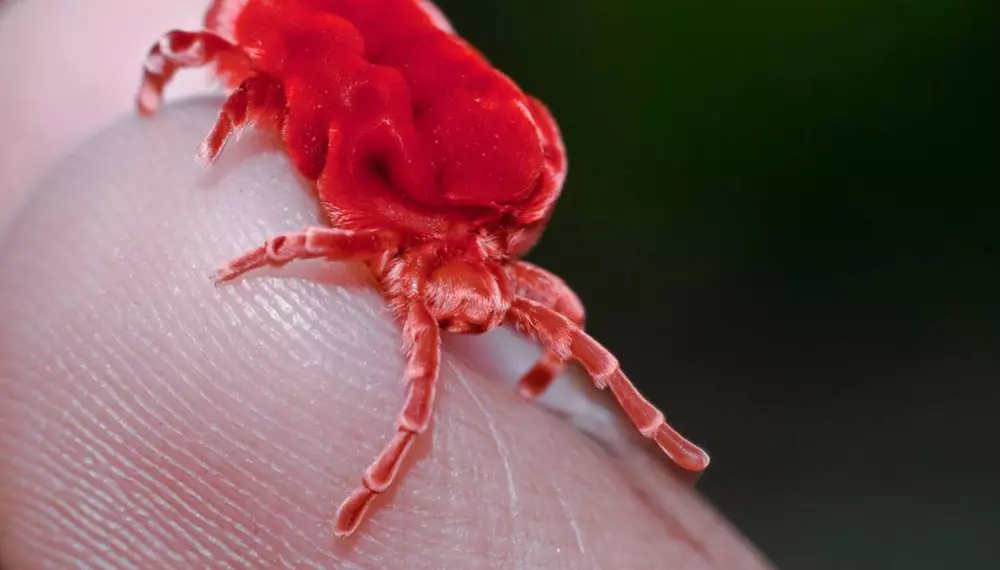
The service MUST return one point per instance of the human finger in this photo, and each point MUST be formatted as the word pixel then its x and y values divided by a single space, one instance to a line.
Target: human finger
pixel 150 419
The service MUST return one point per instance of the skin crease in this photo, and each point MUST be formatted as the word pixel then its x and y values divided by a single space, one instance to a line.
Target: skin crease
pixel 148 419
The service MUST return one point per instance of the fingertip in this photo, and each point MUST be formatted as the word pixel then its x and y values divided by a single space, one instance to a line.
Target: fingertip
pixel 242 415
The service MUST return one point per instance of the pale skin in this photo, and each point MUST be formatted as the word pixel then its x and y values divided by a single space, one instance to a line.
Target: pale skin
pixel 153 418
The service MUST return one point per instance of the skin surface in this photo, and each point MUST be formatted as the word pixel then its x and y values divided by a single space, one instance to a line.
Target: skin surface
pixel 147 417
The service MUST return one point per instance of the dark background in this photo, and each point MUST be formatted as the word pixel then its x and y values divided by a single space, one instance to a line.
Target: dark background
pixel 781 215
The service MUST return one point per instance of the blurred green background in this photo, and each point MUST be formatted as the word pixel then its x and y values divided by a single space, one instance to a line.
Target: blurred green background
pixel 782 217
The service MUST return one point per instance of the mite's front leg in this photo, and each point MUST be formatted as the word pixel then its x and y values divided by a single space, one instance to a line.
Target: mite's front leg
pixel 175 50
pixel 311 243
pixel 422 343
pixel 259 100
pixel 564 338
pixel 533 282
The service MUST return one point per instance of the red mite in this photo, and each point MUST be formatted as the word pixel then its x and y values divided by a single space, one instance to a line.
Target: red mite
pixel 433 168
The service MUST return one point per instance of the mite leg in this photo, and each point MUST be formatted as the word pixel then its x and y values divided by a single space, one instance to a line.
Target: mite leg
pixel 536 381
pixel 259 100
pixel 422 342
pixel 565 339
pixel 175 50
pixel 311 243
pixel 533 282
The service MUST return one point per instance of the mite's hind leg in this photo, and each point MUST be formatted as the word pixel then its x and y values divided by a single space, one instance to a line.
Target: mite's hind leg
pixel 422 341
pixel 563 337
pixel 260 100
pixel 175 50
pixel 533 282
pixel 536 381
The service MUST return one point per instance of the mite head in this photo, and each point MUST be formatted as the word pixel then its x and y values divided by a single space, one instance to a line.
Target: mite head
pixel 467 295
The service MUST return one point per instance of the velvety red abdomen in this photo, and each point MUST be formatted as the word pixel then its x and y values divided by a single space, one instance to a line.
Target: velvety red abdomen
pixel 409 108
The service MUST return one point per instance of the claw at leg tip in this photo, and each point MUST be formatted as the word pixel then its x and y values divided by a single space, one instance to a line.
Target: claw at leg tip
pixel 695 460
pixel 204 156
pixel 148 101
pixel 700 461
pixel 340 532
pixel 685 454
pixel 344 528
pixel 145 110
pixel 223 275
pixel 528 392
pixel 352 511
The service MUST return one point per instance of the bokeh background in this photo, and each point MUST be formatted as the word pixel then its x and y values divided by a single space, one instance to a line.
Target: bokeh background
pixel 782 215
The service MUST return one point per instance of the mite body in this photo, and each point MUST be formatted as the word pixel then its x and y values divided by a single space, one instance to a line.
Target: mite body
pixel 433 168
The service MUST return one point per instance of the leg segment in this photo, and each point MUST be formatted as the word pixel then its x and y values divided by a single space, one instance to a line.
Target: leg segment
pixel 422 342
pixel 175 50
pixel 311 243
pixel 565 339
pixel 536 381
pixel 260 100
pixel 534 283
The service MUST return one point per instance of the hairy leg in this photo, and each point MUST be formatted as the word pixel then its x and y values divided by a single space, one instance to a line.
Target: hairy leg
pixel 533 282
pixel 259 100
pixel 564 338
pixel 422 343
pixel 175 50
pixel 311 243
